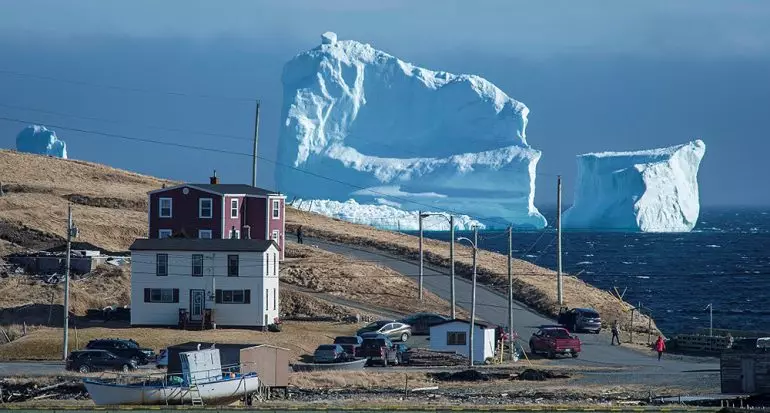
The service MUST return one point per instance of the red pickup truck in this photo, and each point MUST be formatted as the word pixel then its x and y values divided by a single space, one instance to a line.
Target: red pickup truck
pixel 552 340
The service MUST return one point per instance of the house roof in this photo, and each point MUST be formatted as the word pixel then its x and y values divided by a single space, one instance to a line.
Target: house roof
pixel 457 320
pixel 224 189
pixel 198 244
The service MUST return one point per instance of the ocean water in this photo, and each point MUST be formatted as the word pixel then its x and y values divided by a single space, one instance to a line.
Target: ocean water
pixel 725 261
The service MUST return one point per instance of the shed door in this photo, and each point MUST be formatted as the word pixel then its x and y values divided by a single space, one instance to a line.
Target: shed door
pixel 747 375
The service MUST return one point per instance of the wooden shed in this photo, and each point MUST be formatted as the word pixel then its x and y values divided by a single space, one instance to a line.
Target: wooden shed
pixel 745 371
pixel 269 362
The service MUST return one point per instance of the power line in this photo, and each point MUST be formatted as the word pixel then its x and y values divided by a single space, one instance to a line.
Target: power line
pixel 126 88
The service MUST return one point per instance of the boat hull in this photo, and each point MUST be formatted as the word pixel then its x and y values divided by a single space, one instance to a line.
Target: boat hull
pixel 214 393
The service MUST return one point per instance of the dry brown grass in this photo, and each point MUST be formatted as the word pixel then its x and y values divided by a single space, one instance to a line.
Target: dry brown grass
pixel 361 281
pixel 299 337
pixel 533 285
pixel 358 380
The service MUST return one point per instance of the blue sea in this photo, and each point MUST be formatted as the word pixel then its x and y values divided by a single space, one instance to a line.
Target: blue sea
pixel 725 261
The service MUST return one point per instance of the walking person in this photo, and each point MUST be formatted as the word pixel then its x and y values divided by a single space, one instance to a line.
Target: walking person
pixel 660 346
pixel 615 332
pixel 299 234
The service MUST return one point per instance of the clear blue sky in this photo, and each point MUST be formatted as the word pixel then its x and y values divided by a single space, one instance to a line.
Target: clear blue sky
pixel 596 75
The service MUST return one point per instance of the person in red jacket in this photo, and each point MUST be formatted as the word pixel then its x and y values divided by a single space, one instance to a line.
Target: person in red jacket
pixel 660 346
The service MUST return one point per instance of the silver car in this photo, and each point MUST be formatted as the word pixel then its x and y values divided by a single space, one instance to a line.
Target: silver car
pixel 393 330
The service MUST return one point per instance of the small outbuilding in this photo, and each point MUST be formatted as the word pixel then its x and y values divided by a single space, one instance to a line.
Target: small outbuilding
pixel 269 362
pixel 454 335
pixel 745 371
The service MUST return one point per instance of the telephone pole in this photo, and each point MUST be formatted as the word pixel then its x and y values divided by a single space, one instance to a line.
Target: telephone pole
pixel 510 290
pixel 256 143
pixel 452 263
pixel 71 232
pixel 559 292
pixel 421 261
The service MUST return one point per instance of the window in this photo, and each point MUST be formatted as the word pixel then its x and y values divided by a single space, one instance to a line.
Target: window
pixel 164 233
pixel 233 208
pixel 161 295
pixel 275 236
pixel 235 234
pixel 233 296
pixel 267 257
pixel 455 338
pixel 275 298
pixel 164 207
pixel 267 299
pixel 276 209
pixel 232 265
pixel 205 209
pixel 197 265
pixel 275 264
pixel 161 265
pixel 204 233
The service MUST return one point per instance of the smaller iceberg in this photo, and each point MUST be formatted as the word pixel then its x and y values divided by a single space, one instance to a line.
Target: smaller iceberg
pixel 384 216
pixel 649 191
pixel 38 139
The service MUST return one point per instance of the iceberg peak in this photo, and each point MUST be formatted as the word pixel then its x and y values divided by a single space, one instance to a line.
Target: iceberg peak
pixel 362 116
pixel 38 139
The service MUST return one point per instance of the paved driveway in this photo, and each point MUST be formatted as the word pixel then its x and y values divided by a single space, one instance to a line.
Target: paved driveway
pixel 493 307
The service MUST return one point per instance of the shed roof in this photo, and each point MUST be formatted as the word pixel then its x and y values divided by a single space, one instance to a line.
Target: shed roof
pixel 457 320
pixel 200 244
pixel 193 345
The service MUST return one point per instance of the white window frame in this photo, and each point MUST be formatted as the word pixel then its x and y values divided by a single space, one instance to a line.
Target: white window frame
pixel 234 210
pixel 165 231
pixel 275 209
pixel 197 265
pixel 234 233
pixel 200 207
pixel 276 236
pixel 205 231
pixel 170 207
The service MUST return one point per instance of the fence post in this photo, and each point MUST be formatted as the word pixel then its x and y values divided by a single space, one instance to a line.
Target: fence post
pixel 631 328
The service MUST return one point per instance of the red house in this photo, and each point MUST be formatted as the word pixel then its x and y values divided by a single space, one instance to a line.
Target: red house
pixel 217 210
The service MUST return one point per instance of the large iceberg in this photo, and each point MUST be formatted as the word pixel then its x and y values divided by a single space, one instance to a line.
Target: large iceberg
pixel 377 127
pixel 38 139
pixel 650 191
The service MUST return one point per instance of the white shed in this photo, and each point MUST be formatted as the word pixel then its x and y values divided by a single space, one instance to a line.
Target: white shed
pixel 453 335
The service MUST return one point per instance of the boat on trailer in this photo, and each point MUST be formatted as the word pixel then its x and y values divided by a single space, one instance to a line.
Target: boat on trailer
pixel 203 382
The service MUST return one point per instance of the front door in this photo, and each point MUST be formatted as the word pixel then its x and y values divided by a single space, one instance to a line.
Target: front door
pixel 747 373
pixel 197 304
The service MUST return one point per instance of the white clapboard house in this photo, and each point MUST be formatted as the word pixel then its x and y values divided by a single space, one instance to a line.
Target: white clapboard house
pixel 454 335
pixel 236 279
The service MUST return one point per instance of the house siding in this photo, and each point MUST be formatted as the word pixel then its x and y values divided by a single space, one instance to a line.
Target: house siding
pixel 277 224
pixel 184 216
pixel 255 216
pixel 484 340
pixel 252 276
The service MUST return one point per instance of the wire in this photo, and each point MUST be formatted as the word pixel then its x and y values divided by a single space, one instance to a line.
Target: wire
pixel 129 89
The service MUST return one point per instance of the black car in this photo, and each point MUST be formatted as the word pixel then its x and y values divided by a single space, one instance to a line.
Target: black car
pixel 422 322
pixel 123 348
pixel 86 361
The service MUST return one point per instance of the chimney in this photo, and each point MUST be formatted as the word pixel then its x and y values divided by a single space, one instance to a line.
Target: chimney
pixel 246 232
pixel 214 180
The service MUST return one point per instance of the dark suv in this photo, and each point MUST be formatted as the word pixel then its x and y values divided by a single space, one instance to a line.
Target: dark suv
pixel 580 319
pixel 86 361
pixel 128 349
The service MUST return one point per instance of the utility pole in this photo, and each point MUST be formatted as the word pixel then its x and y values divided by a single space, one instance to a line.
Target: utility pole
pixel 510 290
pixel 559 292
pixel 452 263
pixel 71 232
pixel 421 263
pixel 473 292
pixel 711 320
pixel 254 153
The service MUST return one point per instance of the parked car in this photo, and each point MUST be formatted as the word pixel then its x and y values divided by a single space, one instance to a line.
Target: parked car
pixel 422 322
pixel 329 353
pixel 350 344
pixel 161 361
pixel 86 361
pixel 379 349
pixel 394 330
pixel 124 348
pixel 553 340
pixel 580 319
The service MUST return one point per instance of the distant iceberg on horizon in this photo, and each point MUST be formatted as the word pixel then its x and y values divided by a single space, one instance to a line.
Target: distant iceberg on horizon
pixel 427 139
pixel 644 191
